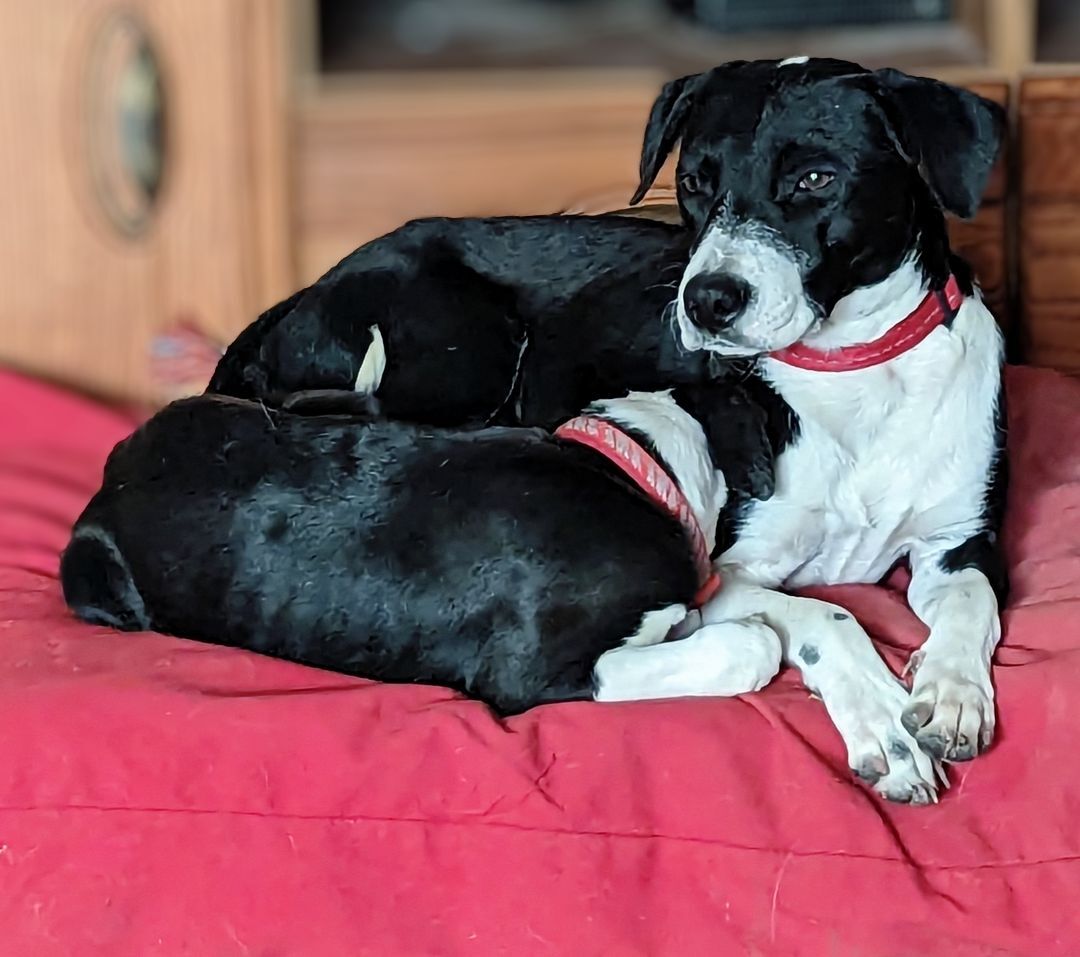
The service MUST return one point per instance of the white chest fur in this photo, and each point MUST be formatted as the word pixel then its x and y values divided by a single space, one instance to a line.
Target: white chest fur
pixel 888 459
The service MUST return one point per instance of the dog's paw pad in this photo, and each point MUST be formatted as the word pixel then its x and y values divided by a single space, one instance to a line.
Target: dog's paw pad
pixel 884 755
pixel 915 716
pixel 871 769
pixel 919 793
pixel 951 716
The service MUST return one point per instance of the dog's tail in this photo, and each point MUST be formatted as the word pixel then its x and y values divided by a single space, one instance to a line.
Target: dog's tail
pixel 97 582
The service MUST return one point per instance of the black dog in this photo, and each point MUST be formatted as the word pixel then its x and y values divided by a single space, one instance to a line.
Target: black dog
pixel 502 562
pixel 480 321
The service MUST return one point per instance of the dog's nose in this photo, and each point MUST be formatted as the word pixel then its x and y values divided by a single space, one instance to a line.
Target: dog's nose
pixel 713 300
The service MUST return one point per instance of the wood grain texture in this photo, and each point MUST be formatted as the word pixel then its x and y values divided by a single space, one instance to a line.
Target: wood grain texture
pixel 82 302
pixel 1049 221
pixel 74 289
pixel 372 154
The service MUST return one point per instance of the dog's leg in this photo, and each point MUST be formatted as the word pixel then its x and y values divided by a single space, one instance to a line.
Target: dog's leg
pixel 951 710
pixel 720 660
pixel 839 664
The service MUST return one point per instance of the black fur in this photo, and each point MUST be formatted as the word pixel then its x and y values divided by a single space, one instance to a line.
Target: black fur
pixel 748 426
pixel 511 321
pixel 499 562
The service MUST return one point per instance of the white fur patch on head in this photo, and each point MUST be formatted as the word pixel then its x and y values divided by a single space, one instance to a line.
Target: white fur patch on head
pixel 373 367
pixel 778 313
pixel 794 61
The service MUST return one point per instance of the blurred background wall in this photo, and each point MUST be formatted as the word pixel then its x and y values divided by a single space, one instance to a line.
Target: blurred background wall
pixel 181 164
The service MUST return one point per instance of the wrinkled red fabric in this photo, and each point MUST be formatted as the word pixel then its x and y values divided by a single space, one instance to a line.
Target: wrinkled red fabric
pixel 164 797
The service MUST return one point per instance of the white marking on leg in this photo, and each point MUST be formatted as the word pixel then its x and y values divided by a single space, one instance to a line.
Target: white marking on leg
pixel 794 61
pixel 373 367
pixel 951 710
pixel 735 657
pixel 655 625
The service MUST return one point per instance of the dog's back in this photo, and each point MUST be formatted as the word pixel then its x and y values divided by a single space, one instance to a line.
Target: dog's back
pixel 522 320
pixel 501 563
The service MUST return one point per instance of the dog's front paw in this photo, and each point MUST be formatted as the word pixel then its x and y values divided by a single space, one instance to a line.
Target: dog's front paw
pixel 951 709
pixel 886 756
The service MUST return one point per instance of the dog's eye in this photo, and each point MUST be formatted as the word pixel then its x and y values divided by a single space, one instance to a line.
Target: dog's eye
pixel 692 183
pixel 815 180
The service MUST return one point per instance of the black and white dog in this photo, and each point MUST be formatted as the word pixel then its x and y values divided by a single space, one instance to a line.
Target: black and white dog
pixel 817 191
pixel 867 424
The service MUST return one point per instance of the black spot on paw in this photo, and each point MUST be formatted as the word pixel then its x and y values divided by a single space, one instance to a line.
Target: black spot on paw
pixel 870 770
pixel 810 654
pixel 840 616
pixel 897 749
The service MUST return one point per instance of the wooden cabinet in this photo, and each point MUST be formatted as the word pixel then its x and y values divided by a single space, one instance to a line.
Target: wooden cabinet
pixel 1049 235
pixel 83 290
pixel 373 152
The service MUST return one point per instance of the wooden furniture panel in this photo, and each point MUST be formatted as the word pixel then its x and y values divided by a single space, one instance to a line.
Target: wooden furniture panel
pixel 1049 220
pixel 372 154
pixel 82 298
pixel 222 239
pixel 1052 337
pixel 75 291
pixel 984 240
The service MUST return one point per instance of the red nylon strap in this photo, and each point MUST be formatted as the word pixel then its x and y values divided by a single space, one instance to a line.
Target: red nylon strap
pixel 647 474
pixel 935 308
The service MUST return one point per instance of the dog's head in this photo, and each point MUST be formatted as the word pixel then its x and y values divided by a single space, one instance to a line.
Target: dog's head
pixel 808 179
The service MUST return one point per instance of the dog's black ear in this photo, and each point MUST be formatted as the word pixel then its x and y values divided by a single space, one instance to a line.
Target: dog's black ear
pixel 952 134
pixel 666 120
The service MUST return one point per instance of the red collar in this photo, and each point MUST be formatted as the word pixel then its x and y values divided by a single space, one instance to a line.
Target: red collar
pixel 646 473
pixel 936 308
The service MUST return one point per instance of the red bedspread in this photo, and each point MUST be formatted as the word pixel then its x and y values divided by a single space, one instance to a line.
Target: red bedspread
pixel 159 796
